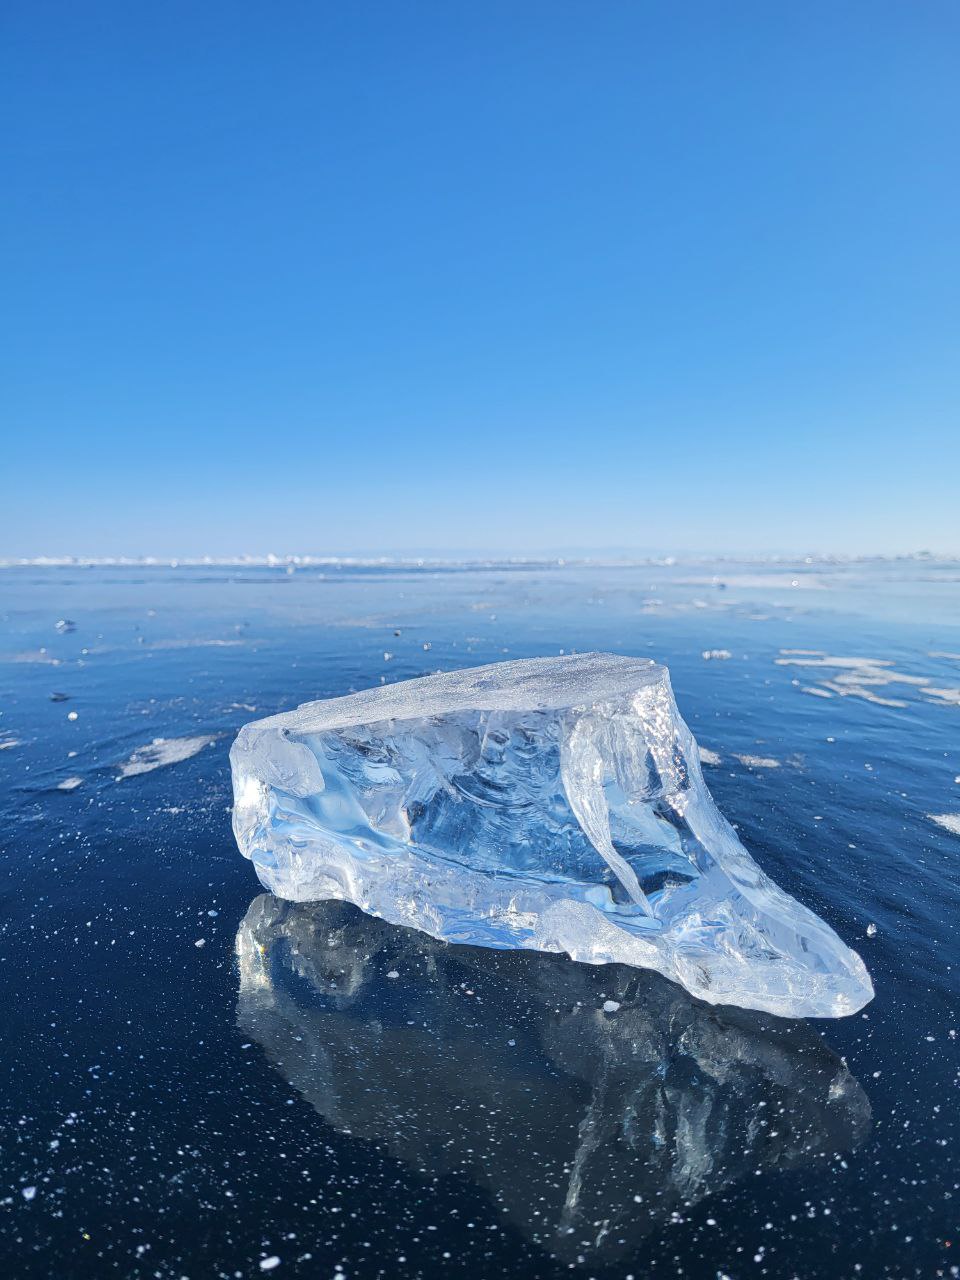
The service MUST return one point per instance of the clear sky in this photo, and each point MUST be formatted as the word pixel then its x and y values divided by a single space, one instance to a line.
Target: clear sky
pixel 489 276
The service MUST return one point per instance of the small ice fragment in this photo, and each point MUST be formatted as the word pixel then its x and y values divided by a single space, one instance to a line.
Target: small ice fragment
pixel 871 930
pixel 200 942
pixel 28 1192
pixel 73 715
pixel 7 742
pixel 213 913
pixel 708 757
pixel 512 1043
pixel 949 821
pixel 65 626
pixel 611 1006
pixel 70 784
pixel 393 974
pixel 267 1264
pixel 554 804
pixel 716 655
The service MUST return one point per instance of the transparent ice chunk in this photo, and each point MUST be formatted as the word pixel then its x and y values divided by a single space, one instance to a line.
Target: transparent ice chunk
pixel 554 804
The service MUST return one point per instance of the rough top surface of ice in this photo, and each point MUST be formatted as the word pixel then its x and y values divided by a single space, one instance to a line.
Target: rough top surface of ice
pixel 531 684
pixel 554 804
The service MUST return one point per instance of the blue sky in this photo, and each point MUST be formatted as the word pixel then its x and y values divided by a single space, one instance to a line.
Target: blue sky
pixel 501 276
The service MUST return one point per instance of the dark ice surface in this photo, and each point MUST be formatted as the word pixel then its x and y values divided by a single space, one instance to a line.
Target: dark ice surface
pixel 313 1092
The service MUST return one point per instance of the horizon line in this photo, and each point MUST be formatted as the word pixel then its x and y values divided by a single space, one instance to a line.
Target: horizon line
pixel 599 558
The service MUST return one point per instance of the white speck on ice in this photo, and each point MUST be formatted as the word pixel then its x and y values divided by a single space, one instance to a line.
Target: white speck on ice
pixel 28 1192
pixel 871 930
pixel 393 974
pixel 611 1006
pixel 716 655
pixel 200 942
pixel 69 784
pixel 267 1264
pixel 73 715
pixel 709 757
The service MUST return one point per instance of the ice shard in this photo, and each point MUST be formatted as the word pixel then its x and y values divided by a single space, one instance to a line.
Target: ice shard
pixel 554 804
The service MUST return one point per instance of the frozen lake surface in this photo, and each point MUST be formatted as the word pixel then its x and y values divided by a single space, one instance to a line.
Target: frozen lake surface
pixel 200 1081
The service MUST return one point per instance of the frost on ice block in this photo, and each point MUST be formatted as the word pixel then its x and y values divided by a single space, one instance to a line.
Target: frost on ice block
pixel 555 804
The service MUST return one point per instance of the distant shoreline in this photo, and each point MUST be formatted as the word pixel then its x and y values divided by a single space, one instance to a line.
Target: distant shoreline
pixel 295 562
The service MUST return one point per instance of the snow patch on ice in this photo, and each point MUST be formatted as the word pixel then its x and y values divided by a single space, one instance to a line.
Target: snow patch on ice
pixel 164 751
pixel 759 762
pixel 950 696
pixel 851 677
pixel 949 821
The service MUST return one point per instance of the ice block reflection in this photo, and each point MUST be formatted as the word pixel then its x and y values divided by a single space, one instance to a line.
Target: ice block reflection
pixel 513 1070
